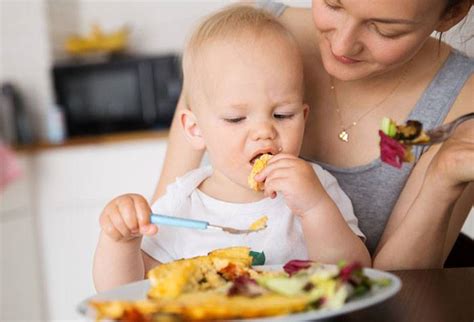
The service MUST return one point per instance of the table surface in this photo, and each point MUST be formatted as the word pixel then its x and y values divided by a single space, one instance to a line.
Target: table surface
pixel 426 295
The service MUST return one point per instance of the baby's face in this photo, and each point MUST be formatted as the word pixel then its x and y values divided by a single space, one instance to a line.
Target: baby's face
pixel 251 103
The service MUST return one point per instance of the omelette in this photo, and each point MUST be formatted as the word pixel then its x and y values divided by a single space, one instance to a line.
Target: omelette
pixel 258 166
pixel 224 285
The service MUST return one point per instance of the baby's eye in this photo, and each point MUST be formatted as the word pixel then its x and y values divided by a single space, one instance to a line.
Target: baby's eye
pixel 332 6
pixel 283 116
pixel 234 119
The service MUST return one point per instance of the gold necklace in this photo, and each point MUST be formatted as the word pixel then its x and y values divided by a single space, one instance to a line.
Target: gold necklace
pixel 344 134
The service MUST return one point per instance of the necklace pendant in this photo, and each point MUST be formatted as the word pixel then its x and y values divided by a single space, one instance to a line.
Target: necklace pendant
pixel 344 136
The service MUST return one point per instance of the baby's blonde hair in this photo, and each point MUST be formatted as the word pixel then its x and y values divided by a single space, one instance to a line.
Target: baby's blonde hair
pixel 230 23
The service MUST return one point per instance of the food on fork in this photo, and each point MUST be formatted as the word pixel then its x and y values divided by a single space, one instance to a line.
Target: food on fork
pixel 223 285
pixel 259 224
pixel 396 141
pixel 259 164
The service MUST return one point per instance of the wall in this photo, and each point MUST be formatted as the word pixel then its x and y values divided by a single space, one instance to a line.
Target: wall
pixel 156 26
pixel 25 56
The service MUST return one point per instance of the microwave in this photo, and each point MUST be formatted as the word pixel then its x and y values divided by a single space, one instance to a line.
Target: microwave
pixel 123 94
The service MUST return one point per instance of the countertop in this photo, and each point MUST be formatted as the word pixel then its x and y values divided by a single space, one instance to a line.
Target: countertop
pixel 95 139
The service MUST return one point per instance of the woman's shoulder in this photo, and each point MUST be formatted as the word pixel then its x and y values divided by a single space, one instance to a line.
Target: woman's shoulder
pixel 463 102
pixel 459 69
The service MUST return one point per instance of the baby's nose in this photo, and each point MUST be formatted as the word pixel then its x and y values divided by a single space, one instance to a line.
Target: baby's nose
pixel 263 131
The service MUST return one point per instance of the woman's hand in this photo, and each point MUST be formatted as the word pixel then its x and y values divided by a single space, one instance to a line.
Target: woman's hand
pixel 127 218
pixel 431 210
pixel 453 165
pixel 295 179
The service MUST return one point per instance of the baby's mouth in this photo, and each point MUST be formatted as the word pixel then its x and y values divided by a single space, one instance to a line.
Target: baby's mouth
pixel 258 156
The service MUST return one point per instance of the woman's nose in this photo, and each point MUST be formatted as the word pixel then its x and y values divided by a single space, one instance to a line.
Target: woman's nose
pixel 345 41
pixel 263 131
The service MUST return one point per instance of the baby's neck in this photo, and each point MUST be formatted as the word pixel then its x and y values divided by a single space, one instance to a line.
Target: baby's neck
pixel 228 191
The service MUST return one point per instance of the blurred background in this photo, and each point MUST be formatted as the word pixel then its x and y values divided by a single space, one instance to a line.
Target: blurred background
pixel 88 89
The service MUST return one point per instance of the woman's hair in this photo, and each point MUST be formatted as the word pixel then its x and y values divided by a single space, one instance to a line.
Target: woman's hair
pixel 230 23
pixel 450 6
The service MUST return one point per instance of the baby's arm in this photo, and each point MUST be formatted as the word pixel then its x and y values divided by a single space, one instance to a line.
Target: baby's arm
pixel 118 259
pixel 328 236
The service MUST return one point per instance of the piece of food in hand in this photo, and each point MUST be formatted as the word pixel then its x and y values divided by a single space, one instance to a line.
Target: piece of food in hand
pixel 242 292
pixel 260 223
pixel 396 141
pixel 258 166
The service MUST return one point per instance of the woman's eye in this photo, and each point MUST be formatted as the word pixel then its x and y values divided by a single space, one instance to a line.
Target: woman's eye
pixel 384 35
pixel 234 119
pixel 283 116
pixel 381 34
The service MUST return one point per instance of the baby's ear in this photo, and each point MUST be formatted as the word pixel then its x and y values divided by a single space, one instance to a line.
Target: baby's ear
pixel 191 129
pixel 305 111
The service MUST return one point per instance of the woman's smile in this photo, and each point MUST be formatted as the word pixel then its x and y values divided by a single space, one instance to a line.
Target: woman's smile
pixel 345 60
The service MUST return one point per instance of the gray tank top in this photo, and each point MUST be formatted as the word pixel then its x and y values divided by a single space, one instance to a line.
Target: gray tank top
pixel 374 188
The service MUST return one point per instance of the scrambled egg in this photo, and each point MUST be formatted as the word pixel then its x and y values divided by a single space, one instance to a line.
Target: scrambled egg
pixel 260 223
pixel 196 274
pixel 258 166
pixel 196 289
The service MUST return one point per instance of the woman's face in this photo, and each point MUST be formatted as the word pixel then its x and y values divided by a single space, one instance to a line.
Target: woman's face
pixel 363 38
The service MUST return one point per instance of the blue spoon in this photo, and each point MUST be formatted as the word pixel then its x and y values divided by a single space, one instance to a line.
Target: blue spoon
pixel 195 224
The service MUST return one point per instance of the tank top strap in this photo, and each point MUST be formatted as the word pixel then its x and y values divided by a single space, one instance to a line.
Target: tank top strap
pixel 438 98
pixel 436 101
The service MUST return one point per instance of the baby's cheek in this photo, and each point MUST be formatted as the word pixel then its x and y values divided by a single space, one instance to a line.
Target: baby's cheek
pixel 291 143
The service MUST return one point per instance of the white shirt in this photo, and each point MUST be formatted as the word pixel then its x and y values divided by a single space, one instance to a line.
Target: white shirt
pixel 281 241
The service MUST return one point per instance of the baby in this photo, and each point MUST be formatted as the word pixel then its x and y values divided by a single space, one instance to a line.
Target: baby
pixel 243 91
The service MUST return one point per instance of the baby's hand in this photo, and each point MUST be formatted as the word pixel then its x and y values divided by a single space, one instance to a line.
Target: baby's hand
pixel 126 218
pixel 295 179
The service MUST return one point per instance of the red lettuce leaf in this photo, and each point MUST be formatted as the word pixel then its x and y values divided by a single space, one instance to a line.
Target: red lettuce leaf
pixel 391 151
pixel 296 265
pixel 349 271
pixel 246 286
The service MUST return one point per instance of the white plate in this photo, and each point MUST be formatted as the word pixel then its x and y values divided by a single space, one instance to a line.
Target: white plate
pixel 138 291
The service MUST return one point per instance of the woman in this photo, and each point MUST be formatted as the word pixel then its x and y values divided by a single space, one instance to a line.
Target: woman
pixel 365 60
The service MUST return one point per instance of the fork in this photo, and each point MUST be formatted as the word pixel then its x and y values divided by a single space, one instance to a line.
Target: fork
pixel 196 224
pixel 443 132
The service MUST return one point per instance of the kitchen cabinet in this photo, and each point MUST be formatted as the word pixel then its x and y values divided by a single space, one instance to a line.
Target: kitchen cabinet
pixel 21 283
pixel 72 187
pixel 47 254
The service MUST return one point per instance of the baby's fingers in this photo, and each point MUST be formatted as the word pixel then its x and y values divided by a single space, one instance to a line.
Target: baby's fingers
pixel 273 185
pixel 119 223
pixel 143 212
pixel 279 161
pixel 109 229
pixel 126 207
